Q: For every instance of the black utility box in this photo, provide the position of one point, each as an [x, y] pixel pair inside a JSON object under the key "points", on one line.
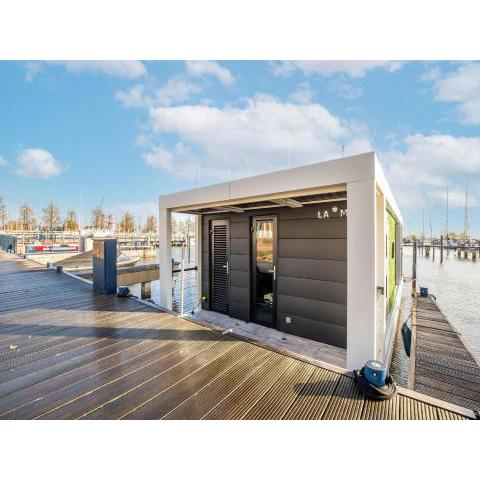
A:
{"points": [[105, 265]]}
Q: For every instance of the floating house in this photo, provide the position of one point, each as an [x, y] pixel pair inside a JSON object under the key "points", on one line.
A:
{"points": [[314, 251]]}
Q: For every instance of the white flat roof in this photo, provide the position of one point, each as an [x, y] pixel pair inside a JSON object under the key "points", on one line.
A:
{"points": [[322, 177]]}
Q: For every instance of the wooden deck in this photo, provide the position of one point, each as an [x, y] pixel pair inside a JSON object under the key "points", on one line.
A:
{"points": [[441, 365], [67, 352]]}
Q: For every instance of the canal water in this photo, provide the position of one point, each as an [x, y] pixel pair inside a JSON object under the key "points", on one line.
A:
{"points": [[456, 285], [189, 281]]}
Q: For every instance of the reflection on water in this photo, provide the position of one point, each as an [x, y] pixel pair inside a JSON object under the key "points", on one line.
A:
{"points": [[456, 285], [189, 283]]}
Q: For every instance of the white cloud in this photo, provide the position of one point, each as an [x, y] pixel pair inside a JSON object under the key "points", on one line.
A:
{"points": [[303, 94], [352, 68], [264, 135], [205, 68], [462, 87], [37, 163], [32, 69], [176, 89], [132, 98], [120, 68], [3, 162], [420, 172], [345, 89]]}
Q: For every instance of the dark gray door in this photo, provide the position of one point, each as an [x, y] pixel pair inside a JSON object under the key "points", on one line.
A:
{"points": [[264, 271], [220, 266]]}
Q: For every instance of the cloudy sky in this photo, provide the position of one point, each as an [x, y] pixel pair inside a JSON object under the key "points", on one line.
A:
{"points": [[123, 132]]}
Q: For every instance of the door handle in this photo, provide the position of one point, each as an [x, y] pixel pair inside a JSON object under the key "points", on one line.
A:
{"points": [[227, 266], [274, 271]]}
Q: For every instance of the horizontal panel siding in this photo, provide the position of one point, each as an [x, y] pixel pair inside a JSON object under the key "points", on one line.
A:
{"points": [[240, 230], [239, 295], [239, 246], [313, 228], [239, 279], [314, 289], [322, 249], [240, 311], [330, 270], [308, 328], [240, 263], [311, 266], [317, 310]]}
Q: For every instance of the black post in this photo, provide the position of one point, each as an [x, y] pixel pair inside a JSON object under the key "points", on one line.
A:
{"points": [[105, 265], [441, 248]]}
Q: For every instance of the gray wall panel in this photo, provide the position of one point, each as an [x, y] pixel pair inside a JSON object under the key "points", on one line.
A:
{"points": [[240, 262], [240, 230], [313, 228], [240, 311], [320, 331], [239, 246], [240, 279], [330, 270], [312, 269], [239, 295], [313, 289], [323, 249], [314, 309]]}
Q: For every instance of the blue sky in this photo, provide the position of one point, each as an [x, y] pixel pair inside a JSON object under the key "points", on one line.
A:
{"points": [[80, 133]]}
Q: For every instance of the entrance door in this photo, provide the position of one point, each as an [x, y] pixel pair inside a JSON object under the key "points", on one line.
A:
{"points": [[220, 266], [264, 280]]}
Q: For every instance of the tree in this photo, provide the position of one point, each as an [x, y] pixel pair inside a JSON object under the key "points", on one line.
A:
{"points": [[151, 224], [126, 223], [3, 214], [99, 219], [26, 217], [51, 217], [71, 222]]}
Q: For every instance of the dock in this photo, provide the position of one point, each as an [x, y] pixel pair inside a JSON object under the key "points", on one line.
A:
{"points": [[441, 365], [67, 352]]}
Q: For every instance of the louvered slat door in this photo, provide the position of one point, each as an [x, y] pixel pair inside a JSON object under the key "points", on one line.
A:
{"points": [[219, 267]]}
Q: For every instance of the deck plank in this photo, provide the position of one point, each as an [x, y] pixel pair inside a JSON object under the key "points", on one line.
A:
{"points": [[68, 352], [444, 367]]}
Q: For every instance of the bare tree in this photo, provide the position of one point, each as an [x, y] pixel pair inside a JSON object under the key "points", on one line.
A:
{"points": [[99, 218], [3, 214], [127, 223], [71, 221], [26, 217], [51, 217], [151, 224]]}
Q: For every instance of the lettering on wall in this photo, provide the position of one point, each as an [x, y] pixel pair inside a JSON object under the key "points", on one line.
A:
{"points": [[334, 211]]}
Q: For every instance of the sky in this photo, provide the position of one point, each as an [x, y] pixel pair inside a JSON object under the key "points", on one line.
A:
{"points": [[121, 133]]}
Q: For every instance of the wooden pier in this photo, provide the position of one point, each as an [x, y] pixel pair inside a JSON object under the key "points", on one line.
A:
{"points": [[67, 352], [440, 363]]}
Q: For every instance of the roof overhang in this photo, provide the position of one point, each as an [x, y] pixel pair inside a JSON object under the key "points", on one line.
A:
{"points": [[314, 183]]}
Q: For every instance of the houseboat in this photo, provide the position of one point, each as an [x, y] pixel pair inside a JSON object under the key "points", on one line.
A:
{"points": [[313, 251]]}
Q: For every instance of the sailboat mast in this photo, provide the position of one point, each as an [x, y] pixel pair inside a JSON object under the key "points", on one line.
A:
{"points": [[465, 225]]}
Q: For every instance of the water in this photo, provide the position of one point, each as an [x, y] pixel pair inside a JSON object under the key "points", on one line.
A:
{"points": [[189, 283], [456, 285]]}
